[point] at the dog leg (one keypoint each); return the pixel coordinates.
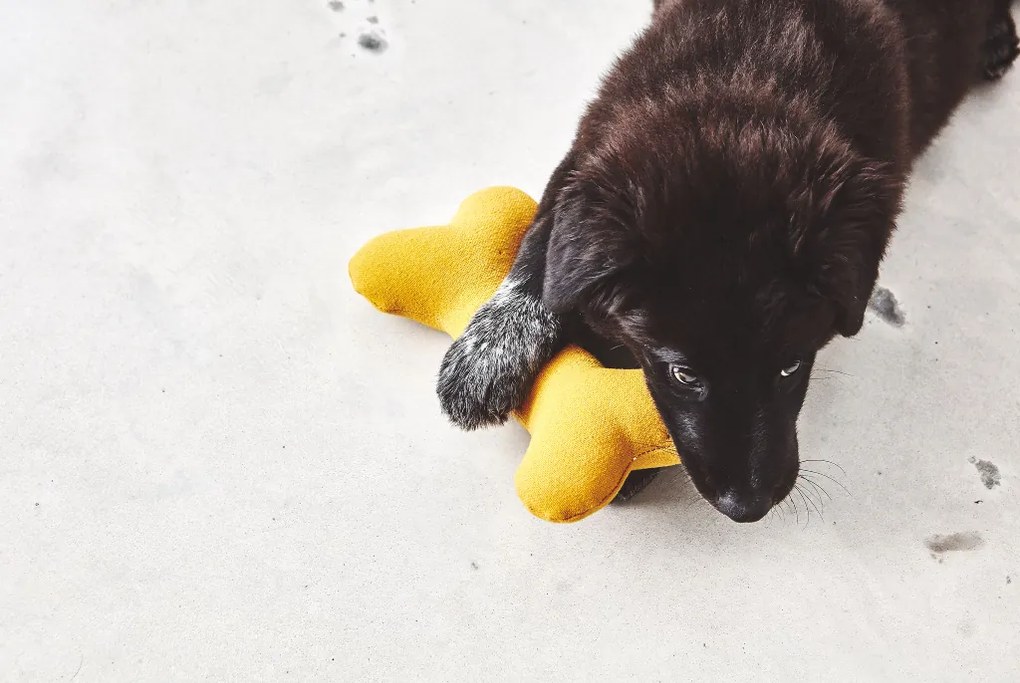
(637, 481)
(1002, 45)
(489, 371)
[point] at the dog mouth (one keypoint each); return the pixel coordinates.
(740, 504)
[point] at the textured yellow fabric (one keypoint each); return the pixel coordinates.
(590, 426)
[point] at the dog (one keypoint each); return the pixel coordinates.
(722, 215)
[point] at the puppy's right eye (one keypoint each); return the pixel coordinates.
(685, 376)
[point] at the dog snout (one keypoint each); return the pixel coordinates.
(743, 507)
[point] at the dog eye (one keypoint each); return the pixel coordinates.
(684, 376)
(786, 372)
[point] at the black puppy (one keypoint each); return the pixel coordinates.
(723, 212)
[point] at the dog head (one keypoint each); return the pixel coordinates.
(724, 261)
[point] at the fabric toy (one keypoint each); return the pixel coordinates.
(590, 426)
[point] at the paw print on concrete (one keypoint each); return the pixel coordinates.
(359, 18)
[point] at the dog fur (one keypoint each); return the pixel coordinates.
(723, 212)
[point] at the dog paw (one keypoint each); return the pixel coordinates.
(488, 372)
(636, 482)
(476, 388)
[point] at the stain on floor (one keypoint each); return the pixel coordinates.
(989, 472)
(952, 543)
(884, 304)
(372, 41)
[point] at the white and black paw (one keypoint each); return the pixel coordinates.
(489, 371)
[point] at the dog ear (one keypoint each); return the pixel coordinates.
(588, 247)
(852, 225)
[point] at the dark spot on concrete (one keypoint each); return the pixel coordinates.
(951, 543)
(335, 5)
(37, 504)
(1009, 580)
(978, 502)
(990, 476)
(474, 565)
(373, 20)
(884, 304)
(372, 41)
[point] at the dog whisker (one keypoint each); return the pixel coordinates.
(813, 482)
(807, 508)
(796, 510)
(835, 481)
(809, 500)
(836, 465)
(835, 372)
(816, 486)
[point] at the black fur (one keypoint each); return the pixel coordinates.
(723, 213)
(1001, 47)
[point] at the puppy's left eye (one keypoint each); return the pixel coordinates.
(791, 370)
(685, 376)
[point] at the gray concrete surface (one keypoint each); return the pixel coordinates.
(219, 463)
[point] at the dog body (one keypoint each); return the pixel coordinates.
(723, 212)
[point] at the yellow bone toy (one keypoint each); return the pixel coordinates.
(590, 426)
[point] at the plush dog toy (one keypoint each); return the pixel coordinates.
(590, 426)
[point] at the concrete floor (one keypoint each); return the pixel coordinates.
(219, 463)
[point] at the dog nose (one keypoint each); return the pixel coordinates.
(743, 507)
